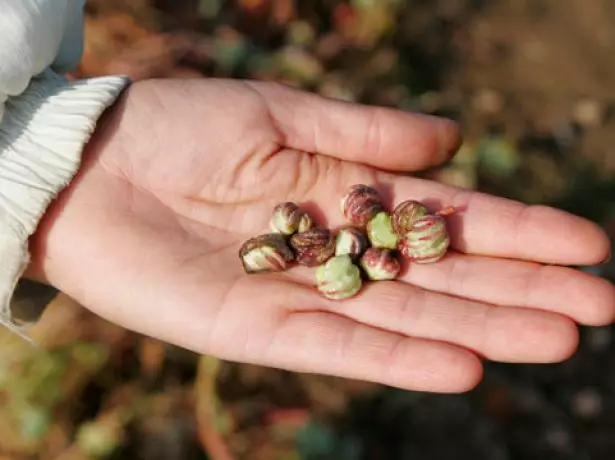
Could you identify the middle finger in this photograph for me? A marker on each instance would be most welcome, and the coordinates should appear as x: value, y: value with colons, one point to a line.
x: 586, y: 298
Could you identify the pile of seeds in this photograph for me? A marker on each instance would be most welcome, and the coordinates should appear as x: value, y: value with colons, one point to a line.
x: 369, y: 248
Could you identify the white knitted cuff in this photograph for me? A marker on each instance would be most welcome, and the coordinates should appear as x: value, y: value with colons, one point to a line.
x: 42, y: 136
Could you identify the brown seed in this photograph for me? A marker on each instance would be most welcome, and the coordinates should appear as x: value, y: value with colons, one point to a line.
x: 305, y: 222
x: 360, y: 204
x: 266, y: 253
x: 313, y: 247
x: 287, y: 219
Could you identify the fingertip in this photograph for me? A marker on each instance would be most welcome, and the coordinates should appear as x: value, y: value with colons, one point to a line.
x: 593, y: 246
x: 433, y: 140
x: 474, y: 374
x: 593, y: 243
x: 557, y: 338
x: 568, y: 343
x: 594, y: 298
x: 457, y: 370
x: 568, y: 239
x: 605, y: 304
x: 524, y: 335
x: 449, y: 139
x: 601, y: 250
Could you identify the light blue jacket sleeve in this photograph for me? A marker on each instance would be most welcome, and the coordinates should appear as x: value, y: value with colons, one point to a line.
x: 45, y: 121
x: 71, y: 47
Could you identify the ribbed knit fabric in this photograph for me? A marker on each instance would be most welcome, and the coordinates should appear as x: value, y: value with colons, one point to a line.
x: 42, y: 136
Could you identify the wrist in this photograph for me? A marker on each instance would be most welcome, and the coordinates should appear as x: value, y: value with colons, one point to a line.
x: 56, y: 226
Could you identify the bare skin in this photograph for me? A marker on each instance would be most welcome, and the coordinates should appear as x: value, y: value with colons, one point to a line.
x: 180, y: 173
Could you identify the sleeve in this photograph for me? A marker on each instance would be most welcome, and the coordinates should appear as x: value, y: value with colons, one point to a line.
x: 45, y: 121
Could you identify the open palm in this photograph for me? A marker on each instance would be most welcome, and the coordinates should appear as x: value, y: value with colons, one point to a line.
x: 180, y: 173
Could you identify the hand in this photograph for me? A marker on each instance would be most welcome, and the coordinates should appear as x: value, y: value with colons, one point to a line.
x: 180, y: 173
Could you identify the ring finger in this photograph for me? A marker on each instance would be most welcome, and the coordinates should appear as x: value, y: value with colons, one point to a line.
x: 499, y: 333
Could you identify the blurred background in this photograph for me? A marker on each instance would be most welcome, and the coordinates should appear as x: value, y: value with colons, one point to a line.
x: 532, y: 83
